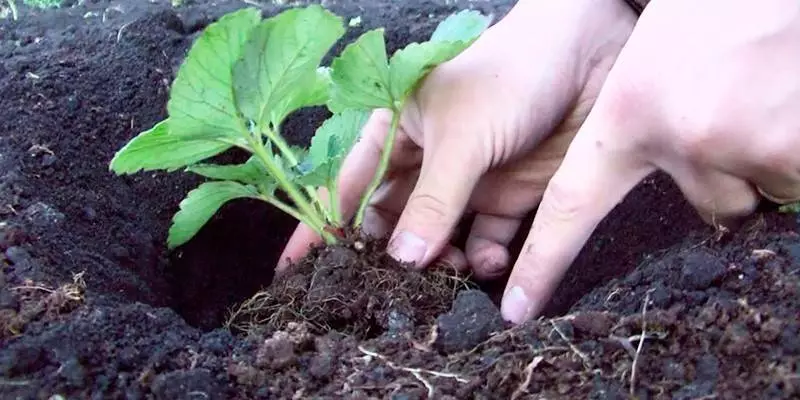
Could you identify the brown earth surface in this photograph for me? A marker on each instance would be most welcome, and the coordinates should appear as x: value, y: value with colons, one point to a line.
x: 92, y: 305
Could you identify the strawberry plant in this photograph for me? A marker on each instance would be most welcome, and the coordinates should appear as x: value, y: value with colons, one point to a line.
x: 245, y: 75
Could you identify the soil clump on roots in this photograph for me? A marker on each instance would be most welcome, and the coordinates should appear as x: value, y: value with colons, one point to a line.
x: 353, y: 288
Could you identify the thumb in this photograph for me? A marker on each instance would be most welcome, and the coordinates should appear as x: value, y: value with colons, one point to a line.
x: 595, y: 175
x: 356, y: 173
x: 449, y: 173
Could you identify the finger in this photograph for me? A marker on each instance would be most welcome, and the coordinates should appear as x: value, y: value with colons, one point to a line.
x: 718, y: 197
x: 448, y: 175
x: 452, y: 258
x: 780, y: 194
x: 595, y: 175
x: 387, y: 204
x: 778, y: 185
x: 487, y: 245
x: 770, y: 163
x: 302, y: 240
x: 357, y: 171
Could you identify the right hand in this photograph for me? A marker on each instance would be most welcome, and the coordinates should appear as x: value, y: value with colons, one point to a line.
x: 485, y: 132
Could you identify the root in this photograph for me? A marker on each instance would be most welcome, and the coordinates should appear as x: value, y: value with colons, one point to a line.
x: 523, y: 386
x: 641, y: 342
x: 68, y: 292
x: 587, y: 363
x: 418, y: 373
x: 337, y: 288
x: 37, y: 300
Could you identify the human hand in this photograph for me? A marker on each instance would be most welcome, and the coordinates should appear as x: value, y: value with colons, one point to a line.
x: 708, y: 92
x: 484, y: 132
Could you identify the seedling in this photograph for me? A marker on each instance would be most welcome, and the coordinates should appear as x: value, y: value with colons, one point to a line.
x: 245, y: 75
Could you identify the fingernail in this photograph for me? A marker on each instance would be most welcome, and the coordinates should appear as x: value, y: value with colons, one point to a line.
x: 516, y: 305
x: 407, y: 247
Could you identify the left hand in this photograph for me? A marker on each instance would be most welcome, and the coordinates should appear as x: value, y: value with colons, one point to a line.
x: 708, y: 92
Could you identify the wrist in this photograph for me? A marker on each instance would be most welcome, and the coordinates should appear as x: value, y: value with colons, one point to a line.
x: 589, y: 32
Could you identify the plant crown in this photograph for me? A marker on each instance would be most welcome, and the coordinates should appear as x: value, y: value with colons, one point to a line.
x: 245, y: 75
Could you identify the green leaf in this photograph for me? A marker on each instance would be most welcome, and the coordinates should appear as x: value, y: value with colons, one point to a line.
x: 330, y: 145
x: 409, y: 65
x: 278, y: 69
x: 315, y: 92
x: 201, y: 101
x: 157, y: 149
x: 465, y: 25
x: 360, y: 75
x: 251, y: 172
x: 790, y: 208
x: 200, y: 205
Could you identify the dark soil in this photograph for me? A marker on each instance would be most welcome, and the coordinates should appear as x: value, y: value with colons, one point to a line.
x: 92, y: 305
x: 353, y: 288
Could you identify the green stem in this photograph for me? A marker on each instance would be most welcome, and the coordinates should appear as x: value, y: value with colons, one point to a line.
x: 284, y: 207
x: 287, y: 152
x: 312, y: 217
x: 14, y: 12
x: 333, y: 200
x: 382, y: 166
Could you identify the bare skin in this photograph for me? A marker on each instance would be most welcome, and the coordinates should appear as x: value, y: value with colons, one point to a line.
x: 484, y: 132
x: 714, y: 104
x: 575, y: 122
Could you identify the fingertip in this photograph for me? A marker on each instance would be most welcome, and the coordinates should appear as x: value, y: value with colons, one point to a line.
x: 297, y: 247
x: 517, y: 307
x: 433, y: 210
x: 407, y: 247
x: 489, y: 260
x: 597, y: 172
x: 453, y: 258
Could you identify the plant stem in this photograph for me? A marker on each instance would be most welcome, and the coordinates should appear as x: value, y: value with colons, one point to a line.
x: 287, y: 152
x: 312, y: 217
x: 14, y: 12
x: 284, y: 207
x: 333, y: 200
x: 382, y: 166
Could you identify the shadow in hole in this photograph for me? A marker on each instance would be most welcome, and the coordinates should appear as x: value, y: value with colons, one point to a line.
x: 231, y: 258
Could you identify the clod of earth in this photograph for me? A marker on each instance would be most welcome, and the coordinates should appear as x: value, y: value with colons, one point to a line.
x: 351, y: 288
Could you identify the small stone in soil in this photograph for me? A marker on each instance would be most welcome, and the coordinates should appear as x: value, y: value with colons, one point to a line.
x: 470, y: 322
x: 701, y: 270
x: 399, y: 323
x: 276, y: 353
x: 41, y: 214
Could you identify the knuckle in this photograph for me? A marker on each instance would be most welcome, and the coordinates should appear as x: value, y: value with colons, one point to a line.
x: 429, y: 208
x: 563, y: 202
